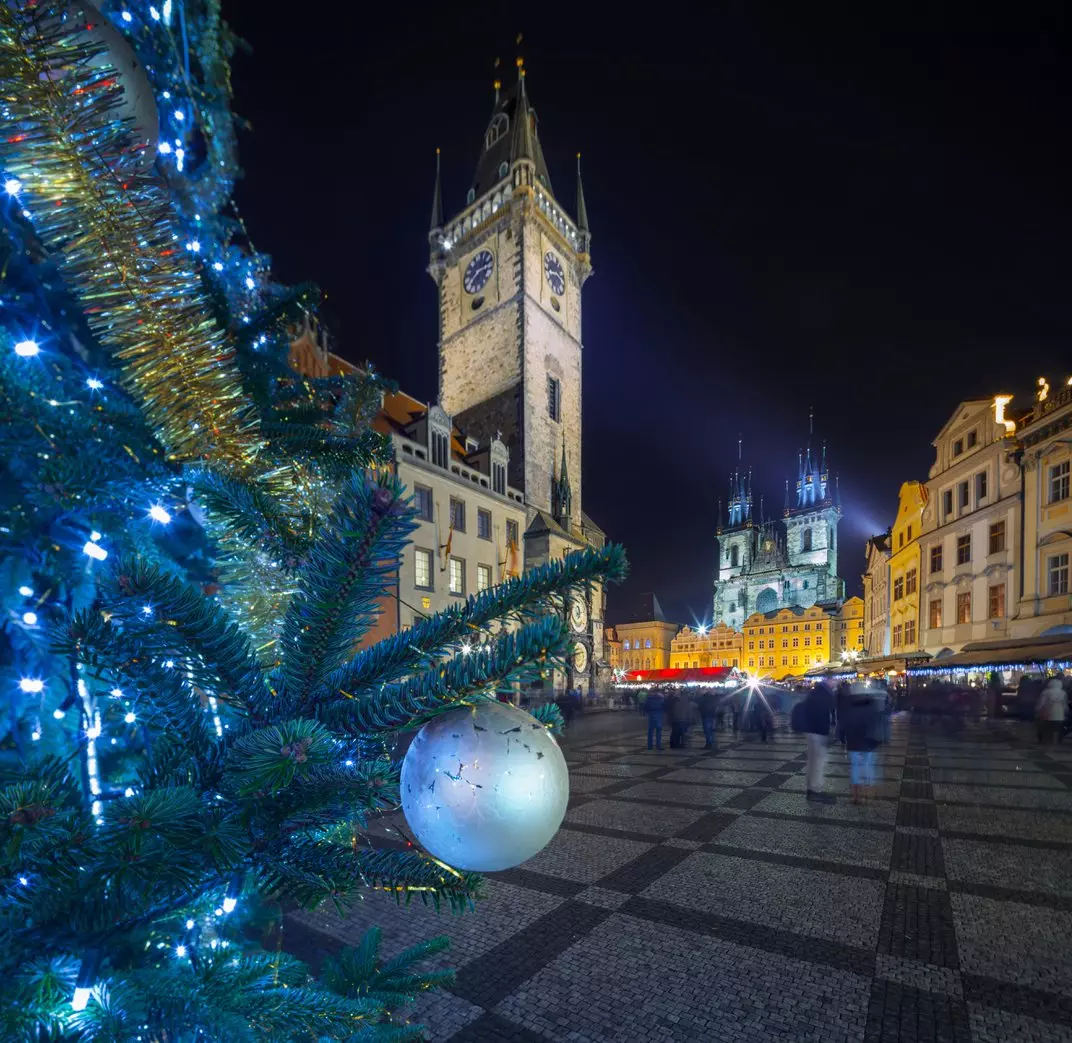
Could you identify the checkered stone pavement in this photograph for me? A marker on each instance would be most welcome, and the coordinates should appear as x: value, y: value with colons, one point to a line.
x: 697, y: 896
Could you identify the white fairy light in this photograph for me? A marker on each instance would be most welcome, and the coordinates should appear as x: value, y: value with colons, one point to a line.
x: 157, y: 513
x: 31, y: 685
x: 27, y: 348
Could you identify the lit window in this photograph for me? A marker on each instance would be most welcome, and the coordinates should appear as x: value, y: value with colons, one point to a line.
x: 936, y: 613
x: 910, y: 632
x: 898, y: 630
x: 647, y: 643
x: 910, y: 582
x: 997, y: 537
x: 625, y: 644
x: 422, y: 576
x: 964, y: 607
x: 936, y: 558
x: 898, y: 588
x: 483, y: 577
x: 996, y: 601
x: 457, y: 576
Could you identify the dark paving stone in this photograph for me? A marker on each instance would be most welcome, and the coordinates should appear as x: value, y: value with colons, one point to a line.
x: 773, y: 781
x: 917, y: 924
x: 824, y: 820
x: 494, y: 1028
x: 1002, y: 838
x: 1018, y: 999
x: 492, y: 977
x: 707, y: 828
x: 799, y: 861
x: 917, y: 815
x: 642, y: 872
x: 917, y: 790
x: 916, y: 854
x: 757, y: 936
x: 621, y: 834
x: 898, y: 1013
x: 916, y: 774
x: 1011, y: 894
x: 554, y: 885
x: 747, y: 800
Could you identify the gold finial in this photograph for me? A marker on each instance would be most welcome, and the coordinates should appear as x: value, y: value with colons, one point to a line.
x: 437, y: 152
x: 496, y: 65
x: 520, y: 62
x: 578, y: 155
x: 498, y: 84
x: 520, y: 37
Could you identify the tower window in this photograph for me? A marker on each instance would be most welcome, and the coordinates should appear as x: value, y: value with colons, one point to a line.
x: 805, y: 540
x: 554, y: 398
x: 440, y: 448
x: 735, y: 556
x: 496, y: 129
x: 504, y: 168
x: 470, y: 196
x: 498, y: 479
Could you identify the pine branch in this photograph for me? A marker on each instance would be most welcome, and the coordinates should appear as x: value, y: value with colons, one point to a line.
x: 348, y: 567
x: 431, y: 638
x: 513, y: 657
x: 550, y: 716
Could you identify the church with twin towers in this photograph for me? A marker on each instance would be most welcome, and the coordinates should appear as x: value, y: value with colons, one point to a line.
x: 767, y: 563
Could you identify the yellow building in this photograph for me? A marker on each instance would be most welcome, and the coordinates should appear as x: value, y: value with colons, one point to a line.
x: 849, y: 640
x: 789, y: 641
x: 646, y: 646
x: 904, y: 569
x: 715, y: 646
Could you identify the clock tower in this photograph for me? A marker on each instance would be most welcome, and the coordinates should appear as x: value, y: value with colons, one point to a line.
x: 509, y: 268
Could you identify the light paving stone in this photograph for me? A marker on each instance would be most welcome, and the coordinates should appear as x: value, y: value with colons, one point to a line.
x: 1041, y: 780
x: 805, y: 901
x: 1013, y: 942
x: 782, y: 803
x: 919, y: 975
x: 688, y: 845
x: 617, y: 771
x: 832, y: 843
x: 701, y: 796
x: 708, y: 777
x: 1058, y: 800
x: 635, y: 818
x: 1008, y: 865
x: 1023, y: 825
x: 989, y: 1025
x: 984, y: 762
x: 583, y: 857
x: 841, y: 786
x: 589, y: 783
x: 632, y: 980
x: 441, y: 1014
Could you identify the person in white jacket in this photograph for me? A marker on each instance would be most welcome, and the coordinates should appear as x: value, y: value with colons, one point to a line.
x: 1051, y: 711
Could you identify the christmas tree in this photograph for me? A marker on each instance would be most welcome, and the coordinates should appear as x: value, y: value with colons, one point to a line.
x: 193, y: 543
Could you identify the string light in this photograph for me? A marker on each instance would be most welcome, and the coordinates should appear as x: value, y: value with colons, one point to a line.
x: 130, y: 718
x: 157, y: 513
x: 12, y: 186
x: 93, y: 384
x: 180, y: 951
x: 87, y: 975
x: 27, y: 348
x: 30, y: 618
x: 59, y: 714
x: 31, y: 685
x: 94, y: 551
x: 26, y: 592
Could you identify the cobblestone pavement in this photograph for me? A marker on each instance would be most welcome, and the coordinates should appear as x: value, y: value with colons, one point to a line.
x: 691, y: 896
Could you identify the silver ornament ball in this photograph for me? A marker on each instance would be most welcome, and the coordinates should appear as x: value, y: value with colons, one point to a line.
x: 484, y: 787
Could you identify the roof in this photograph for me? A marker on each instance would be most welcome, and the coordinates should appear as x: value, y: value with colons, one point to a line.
x: 519, y: 141
x: 400, y: 411
x: 1054, y: 648
x: 543, y: 522
x: 683, y: 675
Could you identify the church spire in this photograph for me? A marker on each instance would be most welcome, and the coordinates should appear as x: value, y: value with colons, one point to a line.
x: 582, y: 211
x: 437, y: 200
x: 524, y: 120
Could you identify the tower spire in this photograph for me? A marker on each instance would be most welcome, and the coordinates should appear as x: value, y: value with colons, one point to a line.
x: 437, y: 199
x: 582, y: 211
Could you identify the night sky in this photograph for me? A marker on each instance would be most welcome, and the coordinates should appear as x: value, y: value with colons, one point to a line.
x: 787, y: 209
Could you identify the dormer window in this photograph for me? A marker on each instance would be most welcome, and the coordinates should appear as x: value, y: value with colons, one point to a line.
x: 439, y: 437
x: 499, y: 126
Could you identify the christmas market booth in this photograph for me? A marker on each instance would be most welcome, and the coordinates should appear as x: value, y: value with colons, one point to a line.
x: 683, y: 677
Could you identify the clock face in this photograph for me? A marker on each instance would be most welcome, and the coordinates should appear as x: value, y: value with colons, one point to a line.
x: 578, y: 614
x: 580, y: 658
x: 556, y: 276
x: 478, y: 271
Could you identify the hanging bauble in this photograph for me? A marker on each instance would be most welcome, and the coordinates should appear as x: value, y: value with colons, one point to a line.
x: 137, y: 105
x: 484, y: 787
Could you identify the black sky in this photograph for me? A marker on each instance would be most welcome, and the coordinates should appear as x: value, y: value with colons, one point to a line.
x: 863, y: 208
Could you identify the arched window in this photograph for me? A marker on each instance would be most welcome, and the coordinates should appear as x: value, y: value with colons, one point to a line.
x: 496, y: 129
x: 647, y: 643
x: 735, y: 556
x: 805, y: 540
x: 470, y: 196
x: 504, y: 168
x: 627, y: 644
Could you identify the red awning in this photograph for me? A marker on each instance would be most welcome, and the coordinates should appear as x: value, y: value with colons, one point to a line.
x: 699, y: 673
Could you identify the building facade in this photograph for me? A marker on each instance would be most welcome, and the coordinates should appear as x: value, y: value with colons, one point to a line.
x: 705, y: 647
x: 1044, y: 593
x: 765, y: 565
x: 509, y: 267
x: 971, y: 531
x: 646, y: 645
x: 848, y: 635
x: 786, y: 642
x: 876, y: 581
x: 904, y: 569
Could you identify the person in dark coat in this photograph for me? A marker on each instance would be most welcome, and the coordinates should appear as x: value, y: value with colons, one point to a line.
x: 708, y: 705
x: 679, y: 710
x: 862, y: 724
x: 816, y: 715
x: 655, y: 708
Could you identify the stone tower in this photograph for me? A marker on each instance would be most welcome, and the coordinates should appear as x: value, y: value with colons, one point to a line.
x: 509, y: 267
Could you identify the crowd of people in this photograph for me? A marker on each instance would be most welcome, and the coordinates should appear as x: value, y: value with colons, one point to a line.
x: 855, y: 715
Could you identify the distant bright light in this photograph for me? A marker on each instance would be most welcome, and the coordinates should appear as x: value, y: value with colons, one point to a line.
x: 117, y: 692
x: 130, y: 718
x: 180, y: 951
x: 80, y: 999
x: 93, y: 384
x: 194, y: 246
x: 127, y: 16
x: 95, y: 536
x: 169, y: 663
x: 24, y: 881
x: 36, y: 735
x: 93, y: 731
x: 229, y: 905
x: 26, y: 592
x: 163, y: 148
x: 180, y: 156
x: 30, y: 618
x: 702, y: 629
x: 157, y: 513
x: 180, y: 115
x: 349, y: 764
x: 155, y: 13
x: 167, y: 10
x: 250, y: 283
x: 218, y: 267
x: 466, y: 648
x: 94, y: 551
x: 58, y: 714
x: 147, y: 610
x: 189, y: 925
x: 31, y: 685
x: 12, y: 186
x: 27, y: 348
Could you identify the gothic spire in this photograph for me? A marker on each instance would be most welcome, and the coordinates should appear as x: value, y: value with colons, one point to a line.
x: 582, y: 212
x: 437, y: 199
x: 524, y: 120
